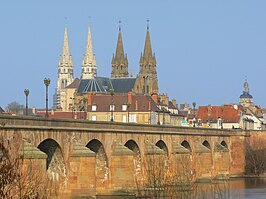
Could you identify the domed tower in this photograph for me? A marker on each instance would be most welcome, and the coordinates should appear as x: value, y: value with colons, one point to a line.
x: 246, y: 99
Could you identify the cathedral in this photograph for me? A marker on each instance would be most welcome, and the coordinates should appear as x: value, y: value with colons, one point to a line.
x: 146, y: 82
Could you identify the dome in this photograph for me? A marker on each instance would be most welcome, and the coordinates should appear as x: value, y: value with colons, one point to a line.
x: 245, y: 95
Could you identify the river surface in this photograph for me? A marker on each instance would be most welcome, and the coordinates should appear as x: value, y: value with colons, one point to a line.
x: 249, y: 188
x: 238, y: 188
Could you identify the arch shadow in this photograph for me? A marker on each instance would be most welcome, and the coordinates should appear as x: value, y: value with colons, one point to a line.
x: 206, y: 144
x: 161, y: 144
x: 186, y: 145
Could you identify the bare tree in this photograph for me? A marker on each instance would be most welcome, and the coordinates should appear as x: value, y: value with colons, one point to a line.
x: 162, y: 179
x: 22, y: 178
x: 14, y: 107
x: 255, y: 156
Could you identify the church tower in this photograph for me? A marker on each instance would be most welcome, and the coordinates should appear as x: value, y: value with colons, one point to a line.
x: 246, y: 99
x: 119, y: 60
x: 65, y: 71
x: 89, y: 66
x: 147, y: 82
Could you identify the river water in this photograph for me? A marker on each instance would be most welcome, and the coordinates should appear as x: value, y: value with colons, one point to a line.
x: 237, y: 188
x: 249, y: 188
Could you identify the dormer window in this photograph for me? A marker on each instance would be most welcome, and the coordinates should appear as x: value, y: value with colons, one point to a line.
x: 124, y: 107
x: 93, y: 108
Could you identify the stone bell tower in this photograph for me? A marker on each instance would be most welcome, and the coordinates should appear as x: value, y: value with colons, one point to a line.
x: 65, y: 71
x: 147, y: 82
x: 119, y: 60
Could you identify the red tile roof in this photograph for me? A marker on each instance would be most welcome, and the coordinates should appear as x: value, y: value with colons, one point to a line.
x: 229, y: 113
x: 140, y: 103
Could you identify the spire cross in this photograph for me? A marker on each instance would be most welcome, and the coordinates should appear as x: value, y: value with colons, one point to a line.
x: 65, y: 21
x: 119, y: 24
x: 148, y: 24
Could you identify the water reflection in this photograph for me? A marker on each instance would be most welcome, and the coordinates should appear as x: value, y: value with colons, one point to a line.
x: 254, y: 188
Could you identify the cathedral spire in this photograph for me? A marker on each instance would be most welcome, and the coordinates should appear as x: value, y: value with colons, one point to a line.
x: 147, y: 47
x: 147, y: 57
x: 147, y: 82
x: 119, y: 60
x: 65, y: 58
x: 89, y: 66
x: 65, y: 71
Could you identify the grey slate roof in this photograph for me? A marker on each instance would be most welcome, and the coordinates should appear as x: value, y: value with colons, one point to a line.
x: 1, y: 110
x: 123, y: 85
x: 104, y: 84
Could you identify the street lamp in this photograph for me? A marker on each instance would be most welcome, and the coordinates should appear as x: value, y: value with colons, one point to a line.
x: 27, y: 92
x: 73, y: 106
x: 85, y: 108
x: 194, y: 119
x: 46, y: 83
x: 128, y: 106
x: 112, y: 104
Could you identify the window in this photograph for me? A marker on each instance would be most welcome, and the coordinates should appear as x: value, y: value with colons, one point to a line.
x: 219, y: 122
x: 133, y: 118
x: 124, y: 118
x: 94, y: 118
x: 93, y: 108
x: 112, y: 107
x: 124, y: 107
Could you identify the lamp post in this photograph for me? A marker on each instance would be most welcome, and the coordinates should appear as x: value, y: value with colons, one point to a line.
x: 46, y: 83
x: 112, y: 104
x: 128, y: 106
x: 27, y: 92
x: 194, y: 119
x: 85, y: 108
x: 73, y: 108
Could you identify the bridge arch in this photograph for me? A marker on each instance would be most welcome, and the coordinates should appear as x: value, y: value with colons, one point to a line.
x: 206, y: 144
x: 55, y: 164
x: 101, y: 164
x: 186, y: 145
x: 133, y: 146
x: 224, y: 144
x: 161, y: 144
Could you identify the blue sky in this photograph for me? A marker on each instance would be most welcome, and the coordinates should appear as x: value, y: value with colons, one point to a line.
x: 204, y: 49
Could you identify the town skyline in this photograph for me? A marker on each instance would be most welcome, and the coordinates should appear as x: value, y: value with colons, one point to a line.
x: 185, y: 72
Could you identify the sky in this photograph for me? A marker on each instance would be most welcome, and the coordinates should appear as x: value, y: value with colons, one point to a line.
x: 205, y: 49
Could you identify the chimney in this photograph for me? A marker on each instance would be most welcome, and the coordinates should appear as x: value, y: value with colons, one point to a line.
x: 155, y: 97
x: 136, y: 105
x: 90, y: 98
x: 129, y: 97
x: 209, y: 109
x: 149, y: 105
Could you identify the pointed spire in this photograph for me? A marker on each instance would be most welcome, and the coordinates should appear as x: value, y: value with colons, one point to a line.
x: 147, y: 48
x: 119, y: 54
x: 89, y: 66
x: 89, y: 57
x: 119, y: 60
x: 147, y: 57
x: 65, y: 58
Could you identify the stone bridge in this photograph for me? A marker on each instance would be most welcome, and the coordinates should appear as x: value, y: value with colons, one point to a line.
x: 101, y: 157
